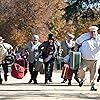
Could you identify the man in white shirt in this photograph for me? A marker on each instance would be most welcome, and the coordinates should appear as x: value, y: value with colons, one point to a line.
x: 89, y: 46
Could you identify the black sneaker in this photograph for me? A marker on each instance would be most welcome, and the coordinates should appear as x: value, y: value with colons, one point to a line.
x: 35, y: 82
x: 93, y: 89
x: 1, y: 81
x: 80, y: 83
x: 30, y: 81
x: 45, y: 82
x: 97, y: 80
x: 63, y: 81
x: 69, y: 83
x: 50, y: 80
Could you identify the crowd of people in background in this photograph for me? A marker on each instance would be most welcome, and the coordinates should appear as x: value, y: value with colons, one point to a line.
x: 41, y: 56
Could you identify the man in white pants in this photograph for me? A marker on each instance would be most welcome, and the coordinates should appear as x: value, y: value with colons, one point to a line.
x: 89, y: 46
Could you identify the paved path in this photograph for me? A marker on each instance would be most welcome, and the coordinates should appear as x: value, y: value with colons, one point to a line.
x: 19, y: 89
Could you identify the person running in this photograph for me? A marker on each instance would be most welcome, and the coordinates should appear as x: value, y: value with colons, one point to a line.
x: 49, y: 50
x: 32, y: 48
x: 89, y: 46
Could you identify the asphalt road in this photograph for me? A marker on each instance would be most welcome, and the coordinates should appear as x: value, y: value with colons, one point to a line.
x: 19, y: 89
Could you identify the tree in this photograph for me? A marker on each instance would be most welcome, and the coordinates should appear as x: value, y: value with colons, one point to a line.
x: 78, y: 6
x: 82, y: 13
x: 26, y: 17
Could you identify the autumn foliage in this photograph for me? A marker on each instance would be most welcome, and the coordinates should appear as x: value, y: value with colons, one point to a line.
x: 20, y: 19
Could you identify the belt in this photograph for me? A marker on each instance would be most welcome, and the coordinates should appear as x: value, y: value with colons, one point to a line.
x: 89, y: 60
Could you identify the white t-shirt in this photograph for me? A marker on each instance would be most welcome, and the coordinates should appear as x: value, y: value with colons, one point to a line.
x: 90, y: 49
